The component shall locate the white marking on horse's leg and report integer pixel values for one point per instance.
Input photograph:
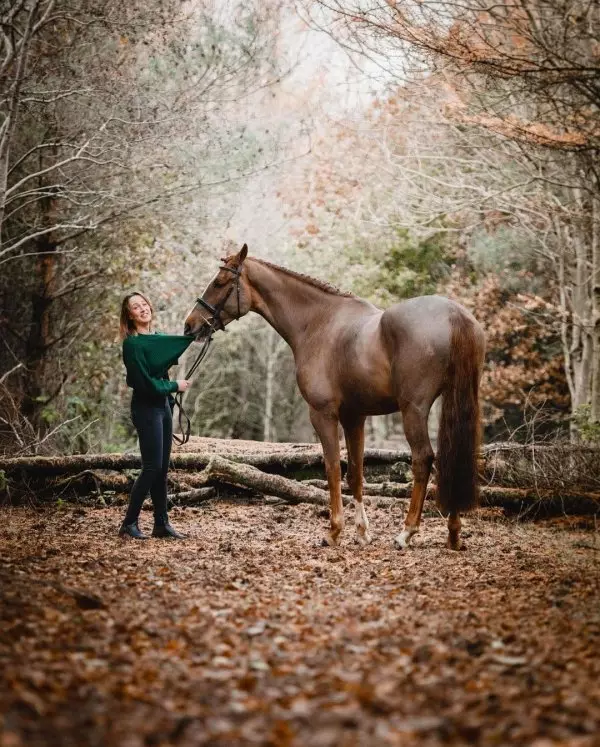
(362, 525)
(402, 540)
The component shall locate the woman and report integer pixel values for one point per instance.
(147, 357)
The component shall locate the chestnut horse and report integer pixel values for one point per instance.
(353, 360)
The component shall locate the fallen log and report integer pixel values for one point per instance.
(556, 467)
(283, 460)
(542, 448)
(248, 476)
(193, 497)
(217, 470)
(116, 482)
(387, 489)
(513, 500)
(538, 503)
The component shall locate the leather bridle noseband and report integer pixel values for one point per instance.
(215, 323)
(216, 311)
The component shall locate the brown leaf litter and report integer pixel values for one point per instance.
(248, 633)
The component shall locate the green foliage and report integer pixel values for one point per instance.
(588, 429)
(408, 266)
(509, 253)
(49, 414)
(121, 438)
(415, 266)
(72, 408)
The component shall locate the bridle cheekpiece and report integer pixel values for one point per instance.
(216, 311)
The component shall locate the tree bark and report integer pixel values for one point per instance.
(278, 461)
(595, 332)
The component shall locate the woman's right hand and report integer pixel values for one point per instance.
(183, 385)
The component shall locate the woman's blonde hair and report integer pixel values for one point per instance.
(126, 323)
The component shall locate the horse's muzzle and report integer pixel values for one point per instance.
(197, 331)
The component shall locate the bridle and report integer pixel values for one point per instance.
(216, 311)
(215, 323)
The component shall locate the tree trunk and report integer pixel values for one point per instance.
(270, 376)
(12, 97)
(39, 339)
(595, 315)
(577, 304)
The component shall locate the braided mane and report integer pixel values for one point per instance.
(320, 284)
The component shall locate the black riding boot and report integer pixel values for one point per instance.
(162, 528)
(132, 530)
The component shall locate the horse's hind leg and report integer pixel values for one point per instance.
(415, 430)
(326, 427)
(454, 525)
(354, 432)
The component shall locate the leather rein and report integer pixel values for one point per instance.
(215, 324)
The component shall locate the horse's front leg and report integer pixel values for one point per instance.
(354, 431)
(326, 426)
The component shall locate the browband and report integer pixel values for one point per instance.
(208, 306)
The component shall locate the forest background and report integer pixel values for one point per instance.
(392, 148)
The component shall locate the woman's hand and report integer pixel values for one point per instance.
(183, 385)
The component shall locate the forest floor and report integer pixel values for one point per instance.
(249, 633)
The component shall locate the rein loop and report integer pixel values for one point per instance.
(215, 325)
(186, 429)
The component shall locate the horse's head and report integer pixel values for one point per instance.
(226, 298)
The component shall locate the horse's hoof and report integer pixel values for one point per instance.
(460, 545)
(402, 540)
(364, 539)
(328, 541)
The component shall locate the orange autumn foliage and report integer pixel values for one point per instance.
(524, 363)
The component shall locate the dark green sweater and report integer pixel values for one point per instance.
(147, 359)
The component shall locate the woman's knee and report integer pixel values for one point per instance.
(152, 469)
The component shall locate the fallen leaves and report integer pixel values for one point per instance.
(234, 637)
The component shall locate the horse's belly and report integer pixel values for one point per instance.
(370, 405)
(364, 373)
(370, 392)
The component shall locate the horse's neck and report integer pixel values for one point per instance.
(292, 306)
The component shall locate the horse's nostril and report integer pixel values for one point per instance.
(187, 329)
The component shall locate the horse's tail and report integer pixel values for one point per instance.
(459, 431)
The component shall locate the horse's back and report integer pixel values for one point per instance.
(425, 321)
(418, 336)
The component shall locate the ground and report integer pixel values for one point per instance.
(249, 633)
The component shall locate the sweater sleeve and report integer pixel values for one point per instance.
(138, 376)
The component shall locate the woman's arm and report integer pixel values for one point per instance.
(138, 376)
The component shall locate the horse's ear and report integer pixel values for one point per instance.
(243, 254)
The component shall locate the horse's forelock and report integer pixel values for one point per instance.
(229, 259)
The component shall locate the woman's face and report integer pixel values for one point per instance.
(139, 311)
